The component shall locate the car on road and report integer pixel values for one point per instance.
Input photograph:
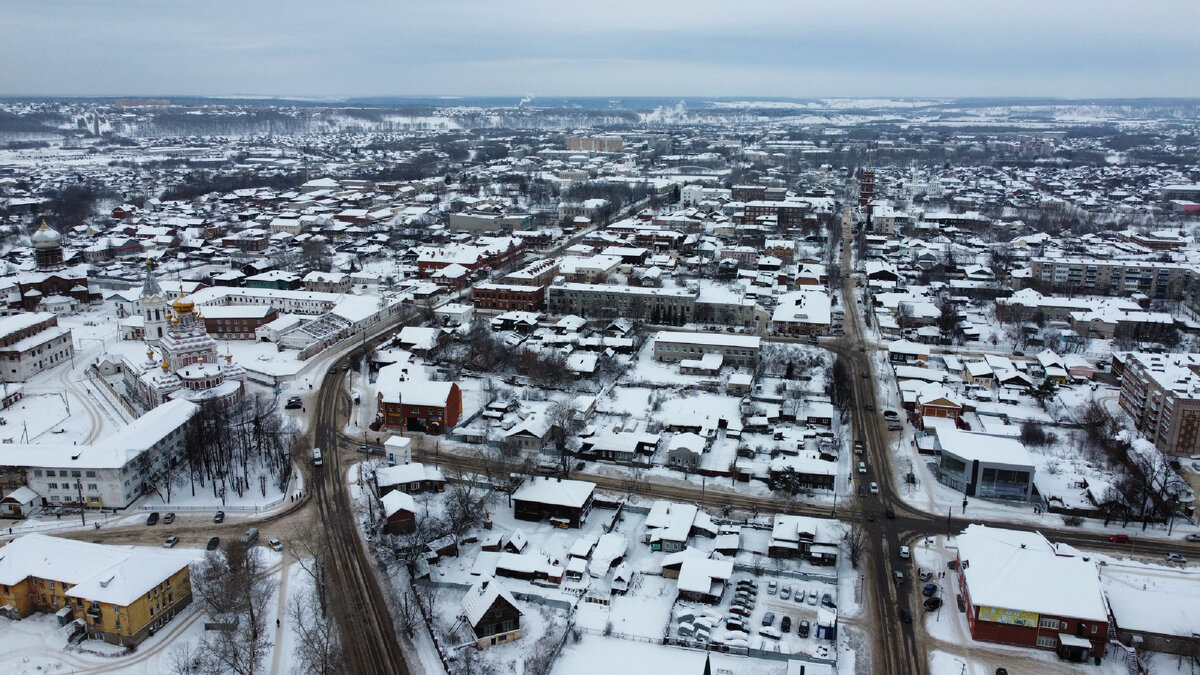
(171, 541)
(213, 544)
(345, 367)
(874, 488)
(785, 624)
(866, 376)
(932, 603)
(924, 575)
(1193, 537)
(1195, 466)
(768, 618)
(891, 414)
(152, 519)
(862, 467)
(905, 615)
(859, 448)
(333, 370)
(1119, 538)
(802, 628)
(929, 590)
(895, 426)
(293, 403)
(890, 513)
(898, 577)
(219, 517)
(275, 545)
(870, 407)
(169, 518)
(827, 600)
(905, 552)
(1174, 557)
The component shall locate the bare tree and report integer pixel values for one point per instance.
(853, 538)
(319, 647)
(235, 588)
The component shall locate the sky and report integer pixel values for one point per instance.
(782, 48)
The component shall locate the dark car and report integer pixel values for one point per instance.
(891, 513)
(895, 427)
(768, 618)
(905, 615)
(827, 600)
(802, 628)
(213, 544)
(785, 624)
(294, 403)
(220, 517)
(932, 603)
(153, 519)
(929, 590)
(333, 370)
(169, 518)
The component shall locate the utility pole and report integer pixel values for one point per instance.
(79, 489)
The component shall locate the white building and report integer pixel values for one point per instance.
(30, 343)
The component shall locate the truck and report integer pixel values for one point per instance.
(316, 457)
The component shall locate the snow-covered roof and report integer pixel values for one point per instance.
(112, 574)
(572, 493)
(395, 501)
(1022, 571)
(416, 392)
(983, 448)
(402, 474)
(710, 339)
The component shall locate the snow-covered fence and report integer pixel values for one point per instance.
(793, 574)
(746, 651)
(212, 507)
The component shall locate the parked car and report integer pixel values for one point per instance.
(213, 544)
(890, 513)
(905, 552)
(802, 628)
(1195, 466)
(171, 541)
(785, 592)
(275, 545)
(740, 611)
(785, 624)
(737, 624)
(1193, 537)
(748, 583)
(169, 518)
(874, 488)
(768, 618)
(827, 600)
(891, 414)
(866, 376)
(859, 447)
(294, 403)
(1119, 538)
(895, 426)
(929, 590)
(905, 615)
(1175, 557)
(152, 519)
(333, 370)
(812, 597)
(772, 587)
(932, 603)
(219, 517)
(925, 575)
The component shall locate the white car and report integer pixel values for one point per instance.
(874, 488)
(275, 544)
(904, 552)
(1174, 557)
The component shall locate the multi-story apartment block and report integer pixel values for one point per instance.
(1162, 394)
(659, 305)
(1118, 277)
(31, 343)
(595, 144)
(110, 473)
(122, 594)
(539, 273)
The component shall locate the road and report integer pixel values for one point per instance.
(368, 636)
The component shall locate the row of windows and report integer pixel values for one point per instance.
(91, 487)
(37, 473)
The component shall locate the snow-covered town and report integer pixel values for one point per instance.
(555, 386)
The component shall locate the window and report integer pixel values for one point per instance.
(1052, 624)
(92, 487)
(1047, 641)
(90, 474)
(52, 486)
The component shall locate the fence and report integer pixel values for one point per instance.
(211, 507)
(96, 376)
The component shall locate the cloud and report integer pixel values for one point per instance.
(702, 47)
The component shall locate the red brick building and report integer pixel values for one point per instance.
(509, 297)
(422, 406)
(487, 253)
(1019, 589)
(236, 322)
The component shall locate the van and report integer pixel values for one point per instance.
(250, 536)
(316, 457)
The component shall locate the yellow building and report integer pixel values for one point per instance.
(121, 594)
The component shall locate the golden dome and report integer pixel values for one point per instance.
(166, 366)
(183, 304)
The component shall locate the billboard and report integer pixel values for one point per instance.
(1011, 617)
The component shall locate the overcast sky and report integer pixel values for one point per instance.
(793, 48)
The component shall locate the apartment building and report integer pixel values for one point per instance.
(509, 297)
(1158, 280)
(122, 594)
(30, 343)
(736, 350)
(1162, 394)
(658, 305)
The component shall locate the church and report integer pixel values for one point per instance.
(53, 286)
(186, 364)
